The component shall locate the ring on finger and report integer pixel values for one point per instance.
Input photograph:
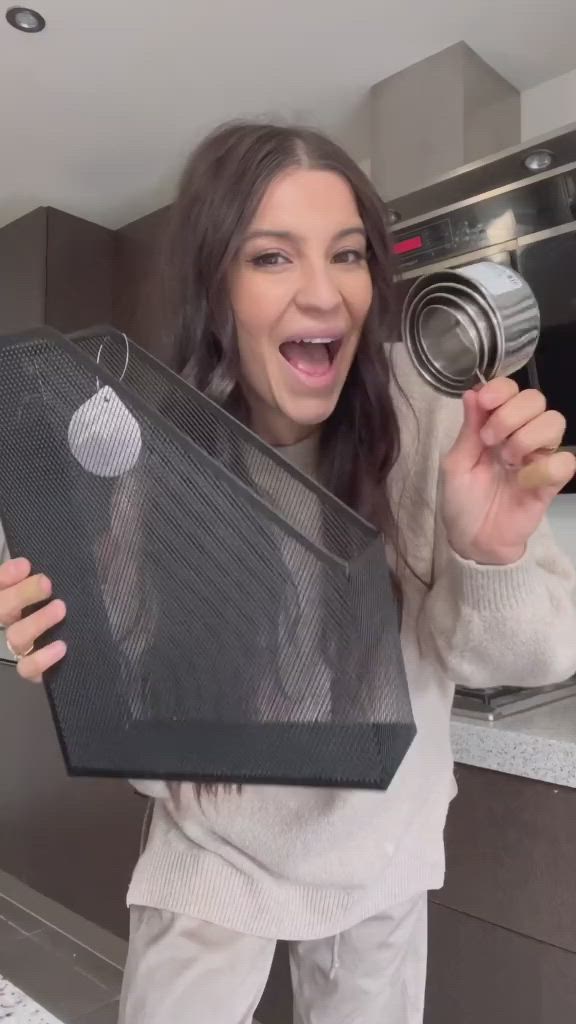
(15, 654)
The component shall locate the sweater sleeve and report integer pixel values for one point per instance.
(502, 625)
(484, 625)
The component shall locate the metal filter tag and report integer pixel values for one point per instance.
(103, 435)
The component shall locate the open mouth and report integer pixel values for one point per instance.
(312, 357)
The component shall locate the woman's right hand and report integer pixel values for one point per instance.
(19, 591)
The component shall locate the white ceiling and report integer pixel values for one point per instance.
(98, 112)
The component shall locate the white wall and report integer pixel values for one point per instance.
(563, 522)
(549, 106)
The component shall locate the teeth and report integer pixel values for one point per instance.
(316, 341)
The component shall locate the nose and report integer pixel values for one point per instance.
(317, 288)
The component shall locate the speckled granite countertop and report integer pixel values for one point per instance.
(538, 744)
(19, 1009)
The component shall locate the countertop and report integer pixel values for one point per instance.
(538, 744)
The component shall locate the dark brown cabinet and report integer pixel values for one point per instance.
(503, 929)
(55, 269)
(74, 840)
(511, 855)
(70, 273)
(23, 271)
(480, 973)
(137, 292)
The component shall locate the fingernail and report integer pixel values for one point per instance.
(45, 585)
(59, 648)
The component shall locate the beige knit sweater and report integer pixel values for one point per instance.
(303, 863)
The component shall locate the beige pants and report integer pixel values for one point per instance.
(184, 971)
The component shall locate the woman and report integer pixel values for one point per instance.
(280, 277)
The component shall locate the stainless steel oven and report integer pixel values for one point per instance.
(530, 225)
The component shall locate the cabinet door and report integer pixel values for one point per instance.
(510, 846)
(138, 295)
(55, 269)
(74, 840)
(80, 263)
(23, 272)
(479, 974)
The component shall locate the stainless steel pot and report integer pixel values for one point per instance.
(468, 325)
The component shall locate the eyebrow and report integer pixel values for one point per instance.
(289, 236)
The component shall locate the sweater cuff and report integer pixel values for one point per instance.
(489, 587)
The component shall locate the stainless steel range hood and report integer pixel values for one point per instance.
(481, 176)
(438, 114)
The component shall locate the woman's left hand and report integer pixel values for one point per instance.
(502, 472)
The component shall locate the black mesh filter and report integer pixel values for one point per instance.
(228, 619)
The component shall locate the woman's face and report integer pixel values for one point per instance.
(300, 291)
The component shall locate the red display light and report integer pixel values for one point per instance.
(408, 245)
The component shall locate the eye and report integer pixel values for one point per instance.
(269, 259)
(350, 256)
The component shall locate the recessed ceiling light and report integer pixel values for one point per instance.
(539, 160)
(25, 19)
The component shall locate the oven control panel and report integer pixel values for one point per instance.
(490, 220)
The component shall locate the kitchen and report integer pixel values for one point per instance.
(507, 912)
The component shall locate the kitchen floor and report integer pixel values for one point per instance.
(48, 978)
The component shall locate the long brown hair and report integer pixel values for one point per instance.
(221, 188)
